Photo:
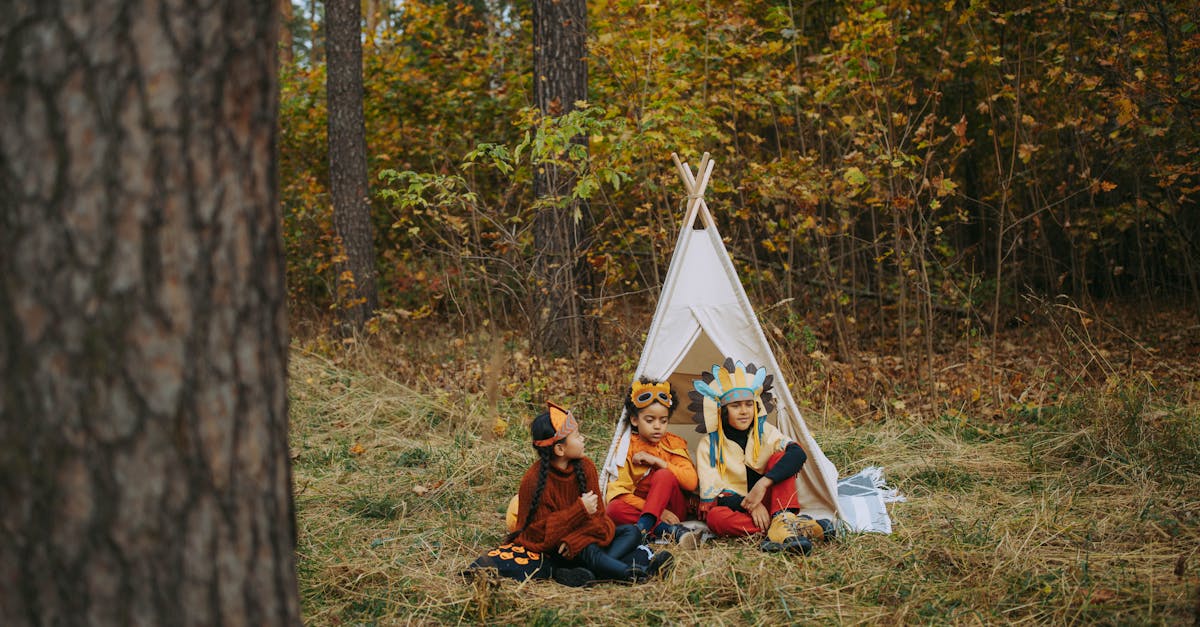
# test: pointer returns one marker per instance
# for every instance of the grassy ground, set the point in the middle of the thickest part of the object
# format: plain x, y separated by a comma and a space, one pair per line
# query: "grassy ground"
1071, 504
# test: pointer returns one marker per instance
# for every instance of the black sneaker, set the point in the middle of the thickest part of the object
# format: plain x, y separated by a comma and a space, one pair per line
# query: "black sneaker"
660, 565
573, 577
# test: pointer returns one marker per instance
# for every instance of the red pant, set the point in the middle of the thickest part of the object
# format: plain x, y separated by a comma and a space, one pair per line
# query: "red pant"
723, 521
661, 491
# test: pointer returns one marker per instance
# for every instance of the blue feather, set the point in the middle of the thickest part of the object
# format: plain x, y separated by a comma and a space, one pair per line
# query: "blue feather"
704, 389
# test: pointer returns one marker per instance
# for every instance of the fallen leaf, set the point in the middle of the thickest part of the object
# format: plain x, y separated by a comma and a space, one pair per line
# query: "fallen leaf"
357, 449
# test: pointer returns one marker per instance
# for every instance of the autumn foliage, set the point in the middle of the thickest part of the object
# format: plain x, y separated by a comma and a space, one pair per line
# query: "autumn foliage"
898, 169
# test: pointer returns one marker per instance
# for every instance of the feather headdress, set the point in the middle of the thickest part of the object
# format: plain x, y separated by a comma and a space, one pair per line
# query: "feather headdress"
725, 384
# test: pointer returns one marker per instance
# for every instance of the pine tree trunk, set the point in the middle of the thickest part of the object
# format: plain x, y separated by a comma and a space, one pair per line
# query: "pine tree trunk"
373, 11
144, 475
317, 34
287, 52
356, 292
560, 79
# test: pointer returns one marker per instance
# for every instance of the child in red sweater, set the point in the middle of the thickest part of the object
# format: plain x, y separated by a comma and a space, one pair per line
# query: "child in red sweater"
559, 512
649, 487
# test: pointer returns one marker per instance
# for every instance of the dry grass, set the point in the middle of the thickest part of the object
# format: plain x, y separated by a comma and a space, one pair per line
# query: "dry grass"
1086, 511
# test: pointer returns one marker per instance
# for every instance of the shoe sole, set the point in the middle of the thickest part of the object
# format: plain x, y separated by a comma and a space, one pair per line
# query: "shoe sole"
574, 577
798, 548
770, 546
691, 540
801, 547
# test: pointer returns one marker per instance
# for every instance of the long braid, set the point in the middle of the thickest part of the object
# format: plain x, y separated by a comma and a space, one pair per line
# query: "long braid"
580, 476
543, 466
545, 456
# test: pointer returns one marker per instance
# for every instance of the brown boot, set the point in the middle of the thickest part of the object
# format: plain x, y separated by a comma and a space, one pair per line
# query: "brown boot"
784, 534
812, 529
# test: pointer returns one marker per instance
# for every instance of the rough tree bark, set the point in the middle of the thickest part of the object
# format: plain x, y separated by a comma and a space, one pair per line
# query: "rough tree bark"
144, 475
560, 229
357, 296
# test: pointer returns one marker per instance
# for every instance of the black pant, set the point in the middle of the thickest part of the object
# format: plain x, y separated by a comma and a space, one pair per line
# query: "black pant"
616, 560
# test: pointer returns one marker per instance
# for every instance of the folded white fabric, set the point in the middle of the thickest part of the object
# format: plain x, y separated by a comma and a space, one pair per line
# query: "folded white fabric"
863, 499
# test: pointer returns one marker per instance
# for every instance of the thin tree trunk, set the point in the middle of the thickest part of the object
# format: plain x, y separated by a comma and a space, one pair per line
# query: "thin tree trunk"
317, 34
901, 290
287, 54
561, 227
373, 11
357, 296
144, 475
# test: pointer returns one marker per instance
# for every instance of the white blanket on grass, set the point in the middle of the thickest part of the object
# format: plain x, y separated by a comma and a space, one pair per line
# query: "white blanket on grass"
863, 498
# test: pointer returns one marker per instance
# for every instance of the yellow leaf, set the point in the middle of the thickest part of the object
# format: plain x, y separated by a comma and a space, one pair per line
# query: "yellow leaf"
357, 449
854, 176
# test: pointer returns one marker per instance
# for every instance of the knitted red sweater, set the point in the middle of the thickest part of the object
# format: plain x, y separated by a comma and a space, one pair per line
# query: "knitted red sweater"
560, 515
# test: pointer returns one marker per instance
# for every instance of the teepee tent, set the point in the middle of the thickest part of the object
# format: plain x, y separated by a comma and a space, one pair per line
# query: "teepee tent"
704, 316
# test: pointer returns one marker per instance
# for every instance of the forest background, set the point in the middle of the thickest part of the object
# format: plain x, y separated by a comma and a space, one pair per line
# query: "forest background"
970, 230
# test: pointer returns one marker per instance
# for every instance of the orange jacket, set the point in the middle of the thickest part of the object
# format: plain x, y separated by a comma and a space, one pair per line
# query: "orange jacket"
628, 486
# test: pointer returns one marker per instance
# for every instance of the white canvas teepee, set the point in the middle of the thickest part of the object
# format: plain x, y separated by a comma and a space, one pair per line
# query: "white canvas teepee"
704, 316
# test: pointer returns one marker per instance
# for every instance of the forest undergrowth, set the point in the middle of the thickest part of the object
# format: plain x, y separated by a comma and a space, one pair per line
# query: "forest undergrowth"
1051, 474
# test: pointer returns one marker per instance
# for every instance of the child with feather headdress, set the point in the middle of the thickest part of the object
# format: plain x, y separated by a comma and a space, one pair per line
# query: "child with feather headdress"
746, 466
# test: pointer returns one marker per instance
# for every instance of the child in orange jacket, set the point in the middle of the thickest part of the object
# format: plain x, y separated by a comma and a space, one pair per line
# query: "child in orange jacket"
649, 488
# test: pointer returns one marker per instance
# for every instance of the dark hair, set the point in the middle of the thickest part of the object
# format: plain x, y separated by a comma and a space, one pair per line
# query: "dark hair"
631, 410
540, 429
723, 412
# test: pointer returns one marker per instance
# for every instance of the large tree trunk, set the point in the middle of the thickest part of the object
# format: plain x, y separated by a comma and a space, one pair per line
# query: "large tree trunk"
560, 79
357, 297
144, 476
